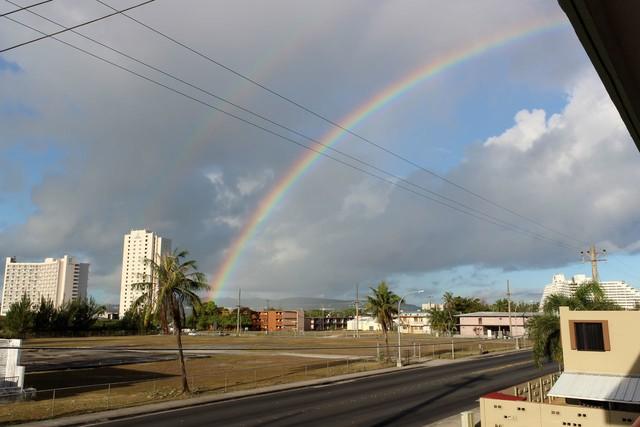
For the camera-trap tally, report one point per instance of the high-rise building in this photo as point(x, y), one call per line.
point(58, 280)
point(139, 246)
point(617, 291)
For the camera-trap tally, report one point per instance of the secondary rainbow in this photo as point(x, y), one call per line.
point(373, 104)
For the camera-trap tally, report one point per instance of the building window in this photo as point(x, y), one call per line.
point(589, 335)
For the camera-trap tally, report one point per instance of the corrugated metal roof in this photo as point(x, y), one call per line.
point(605, 388)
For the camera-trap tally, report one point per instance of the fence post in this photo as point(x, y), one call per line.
point(453, 351)
point(225, 382)
point(347, 366)
point(419, 351)
point(327, 368)
point(53, 401)
point(377, 351)
point(414, 350)
point(108, 394)
point(255, 378)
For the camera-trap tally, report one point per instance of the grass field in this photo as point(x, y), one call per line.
point(255, 361)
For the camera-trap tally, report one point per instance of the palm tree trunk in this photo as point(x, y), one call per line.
point(183, 369)
point(386, 341)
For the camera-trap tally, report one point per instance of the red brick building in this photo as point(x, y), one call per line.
point(281, 320)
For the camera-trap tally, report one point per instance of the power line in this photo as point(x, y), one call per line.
point(262, 117)
point(24, 7)
point(45, 36)
point(481, 215)
point(345, 129)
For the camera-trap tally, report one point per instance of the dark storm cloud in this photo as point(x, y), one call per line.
point(131, 155)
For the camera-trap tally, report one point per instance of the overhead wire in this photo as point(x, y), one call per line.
point(51, 35)
point(341, 127)
point(20, 9)
point(487, 218)
point(492, 218)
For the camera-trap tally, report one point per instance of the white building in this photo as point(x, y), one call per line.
point(432, 305)
point(363, 323)
point(617, 291)
point(139, 246)
point(58, 280)
point(11, 372)
point(414, 322)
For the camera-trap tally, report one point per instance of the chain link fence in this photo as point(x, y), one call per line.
point(56, 402)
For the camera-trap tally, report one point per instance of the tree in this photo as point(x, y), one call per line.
point(439, 320)
point(444, 320)
point(178, 282)
point(207, 316)
point(522, 306)
point(83, 313)
point(132, 321)
point(383, 305)
point(545, 329)
point(501, 304)
point(44, 316)
point(19, 318)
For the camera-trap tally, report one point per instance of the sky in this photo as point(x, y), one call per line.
point(89, 152)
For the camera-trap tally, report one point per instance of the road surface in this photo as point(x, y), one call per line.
point(407, 398)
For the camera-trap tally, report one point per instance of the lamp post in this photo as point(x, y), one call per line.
point(399, 362)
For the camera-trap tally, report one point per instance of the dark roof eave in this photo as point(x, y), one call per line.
point(597, 38)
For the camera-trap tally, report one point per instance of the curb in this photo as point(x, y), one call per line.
point(114, 414)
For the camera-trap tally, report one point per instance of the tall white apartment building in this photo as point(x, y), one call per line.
point(58, 280)
point(139, 246)
point(617, 291)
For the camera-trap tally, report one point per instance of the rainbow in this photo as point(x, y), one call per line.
point(375, 103)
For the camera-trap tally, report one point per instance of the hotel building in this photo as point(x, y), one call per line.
point(58, 280)
point(139, 246)
point(617, 291)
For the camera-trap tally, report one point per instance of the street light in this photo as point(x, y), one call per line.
point(399, 362)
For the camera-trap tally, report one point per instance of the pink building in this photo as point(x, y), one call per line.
point(494, 324)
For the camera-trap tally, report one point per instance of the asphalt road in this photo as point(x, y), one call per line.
point(407, 398)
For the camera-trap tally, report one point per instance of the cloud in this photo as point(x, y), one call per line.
point(530, 126)
point(574, 172)
point(131, 155)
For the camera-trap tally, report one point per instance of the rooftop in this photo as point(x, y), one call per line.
point(500, 314)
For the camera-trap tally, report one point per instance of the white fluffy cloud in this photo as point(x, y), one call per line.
point(575, 172)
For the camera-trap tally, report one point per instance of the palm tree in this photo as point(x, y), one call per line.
point(545, 331)
point(440, 320)
point(383, 304)
point(545, 328)
point(449, 307)
point(175, 282)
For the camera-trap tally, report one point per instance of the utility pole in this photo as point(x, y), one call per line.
point(357, 314)
point(594, 258)
point(238, 317)
point(509, 308)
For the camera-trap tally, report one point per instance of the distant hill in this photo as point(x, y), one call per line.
point(296, 303)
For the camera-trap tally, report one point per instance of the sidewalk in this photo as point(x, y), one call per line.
point(200, 400)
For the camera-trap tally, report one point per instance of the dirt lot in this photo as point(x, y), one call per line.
point(216, 364)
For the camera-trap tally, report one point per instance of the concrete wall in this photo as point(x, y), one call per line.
point(505, 413)
point(624, 356)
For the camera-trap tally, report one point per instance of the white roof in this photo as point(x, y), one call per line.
point(605, 388)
